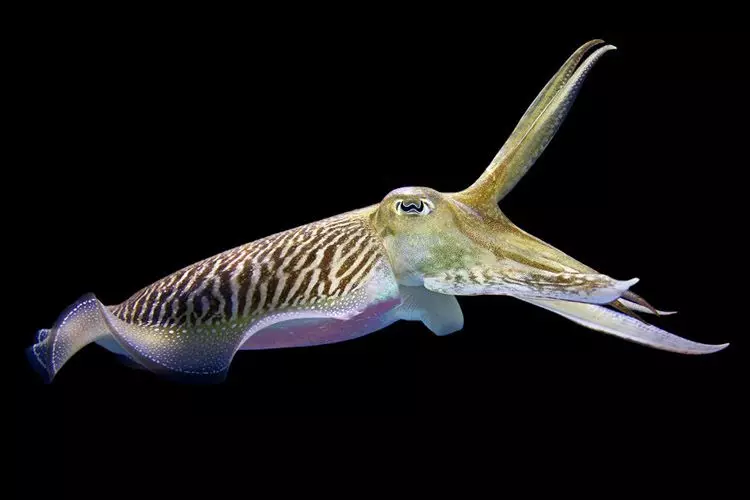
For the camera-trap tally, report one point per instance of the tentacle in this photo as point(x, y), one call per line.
point(618, 305)
point(637, 303)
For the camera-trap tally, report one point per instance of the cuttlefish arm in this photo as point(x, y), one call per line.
point(608, 307)
point(519, 280)
point(583, 295)
point(536, 128)
point(532, 134)
point(636, 303)
point(627, 327)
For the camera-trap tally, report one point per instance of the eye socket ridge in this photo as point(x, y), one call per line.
point(411, 207)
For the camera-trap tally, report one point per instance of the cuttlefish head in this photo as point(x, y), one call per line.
point(425, 232)
point(462, 244)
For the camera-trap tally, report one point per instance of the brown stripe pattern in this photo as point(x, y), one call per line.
point(293, 269)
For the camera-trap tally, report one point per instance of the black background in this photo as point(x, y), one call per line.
point(146, 153)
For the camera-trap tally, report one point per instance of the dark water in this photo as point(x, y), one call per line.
point(157, 155)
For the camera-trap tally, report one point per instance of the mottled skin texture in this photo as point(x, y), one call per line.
point(355, 273)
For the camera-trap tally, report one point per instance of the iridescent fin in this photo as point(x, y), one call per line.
point(87, 321)
point(184, 354)
point(521, 280)
point(615, 323)
point(79, 325)
point(122, 356)
point(202, 353)
point(41, 335)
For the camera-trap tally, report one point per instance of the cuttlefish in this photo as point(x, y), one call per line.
point(405, 258)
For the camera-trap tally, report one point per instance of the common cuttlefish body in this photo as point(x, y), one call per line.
point(405, 258)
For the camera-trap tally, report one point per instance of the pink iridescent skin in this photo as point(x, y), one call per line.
point(310, 332)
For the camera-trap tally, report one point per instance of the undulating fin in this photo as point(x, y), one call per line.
point(79, 325)
point(110, 344)
point(88, 321)
point(616, 323)
point(41, 335)
point(535, 129)
point(440, 313)
point(519, 280)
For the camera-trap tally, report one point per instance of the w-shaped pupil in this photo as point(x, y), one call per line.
point(411, 206)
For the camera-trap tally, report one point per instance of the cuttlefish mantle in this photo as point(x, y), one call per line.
point(405, 258)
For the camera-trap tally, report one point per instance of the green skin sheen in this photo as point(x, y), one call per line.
point(421, 245)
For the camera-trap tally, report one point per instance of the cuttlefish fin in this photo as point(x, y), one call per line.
point(79, 325)
point(88, 321)
point(616, 323)
point(536, 128)
point(110, 344)
point(517, 279)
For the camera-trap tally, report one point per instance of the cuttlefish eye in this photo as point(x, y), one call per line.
point(413, 207)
